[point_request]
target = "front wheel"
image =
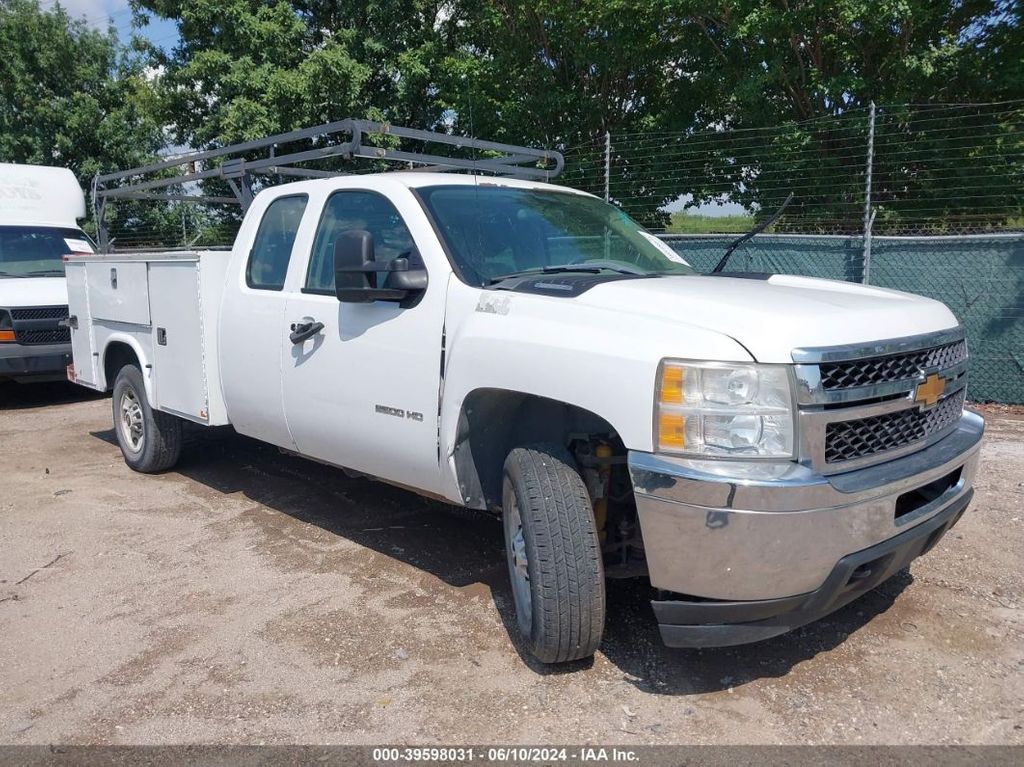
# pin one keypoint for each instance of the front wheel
(149, 440)
(554, 554)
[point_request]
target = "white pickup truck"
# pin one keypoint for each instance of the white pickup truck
(763, 448)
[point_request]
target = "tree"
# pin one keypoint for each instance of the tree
(767, 62)
(561, 75)
(814, 67)
(69, 95)
(72, 96)
(248, 68)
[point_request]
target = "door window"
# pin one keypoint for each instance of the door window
(272, 248)
(353, 210)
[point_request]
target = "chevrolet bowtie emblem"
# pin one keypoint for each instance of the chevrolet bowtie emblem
(929, 390)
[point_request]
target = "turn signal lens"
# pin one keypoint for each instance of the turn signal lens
(671, 431)
(6, 336)
(671, 391)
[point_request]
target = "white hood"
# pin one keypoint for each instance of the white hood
(774, 316)
(33, 291)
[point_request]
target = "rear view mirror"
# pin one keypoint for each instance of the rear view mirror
(358, 278)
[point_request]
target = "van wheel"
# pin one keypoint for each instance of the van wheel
(554, 554)
(150, 440)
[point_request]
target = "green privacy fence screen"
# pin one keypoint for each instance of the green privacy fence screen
(980, 277)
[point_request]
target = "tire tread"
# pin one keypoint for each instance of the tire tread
(163, 430)
(569, 600)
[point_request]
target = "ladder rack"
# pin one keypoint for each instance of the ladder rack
(243, 165)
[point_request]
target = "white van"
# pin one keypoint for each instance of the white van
(39, 211)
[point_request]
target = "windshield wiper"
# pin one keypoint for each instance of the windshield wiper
(584, 268)
(43, 273)
(756, 230)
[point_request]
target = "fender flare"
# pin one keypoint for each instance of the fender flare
(120, 337)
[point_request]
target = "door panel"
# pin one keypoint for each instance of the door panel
(179, 371)
(363, 393)
(253, 330)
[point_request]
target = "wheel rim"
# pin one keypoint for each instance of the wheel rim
(518, 566)
(130, 423)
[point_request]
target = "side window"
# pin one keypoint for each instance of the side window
(345, 211)
(268, 259)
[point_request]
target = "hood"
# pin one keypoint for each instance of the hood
(33, 291)
(771, 317)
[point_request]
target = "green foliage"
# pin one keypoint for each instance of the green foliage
(69, 95)
(247, 68)
(72, 96)
(764, 62)
(815, 67)
(694, 223)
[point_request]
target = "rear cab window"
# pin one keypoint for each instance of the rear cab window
(272, 246)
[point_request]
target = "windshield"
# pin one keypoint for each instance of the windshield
(493, 231)
(38, 251)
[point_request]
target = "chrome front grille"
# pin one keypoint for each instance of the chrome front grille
(892, 367)
(860, 437)
(860, 405)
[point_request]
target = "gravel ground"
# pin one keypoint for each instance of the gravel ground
(249, 597)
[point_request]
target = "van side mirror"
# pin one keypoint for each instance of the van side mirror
(360, 279)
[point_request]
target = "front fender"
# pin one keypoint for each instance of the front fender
(586, 356)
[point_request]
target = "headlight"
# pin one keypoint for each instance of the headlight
(724, 409)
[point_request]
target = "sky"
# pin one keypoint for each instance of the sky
(100, 13)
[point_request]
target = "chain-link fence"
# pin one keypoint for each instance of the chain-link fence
(886, 170)
(980, 277)
(926, 199)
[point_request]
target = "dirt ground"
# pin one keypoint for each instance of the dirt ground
(248, 597)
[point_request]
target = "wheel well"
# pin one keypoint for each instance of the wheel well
(493, 421)
(117, 355)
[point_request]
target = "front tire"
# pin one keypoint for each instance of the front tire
(149, 440)
(554, 554)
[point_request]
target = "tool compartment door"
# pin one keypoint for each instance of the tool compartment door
(179, 373)
(82, 342)
(118, 291)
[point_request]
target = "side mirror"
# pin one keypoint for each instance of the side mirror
(359, 279)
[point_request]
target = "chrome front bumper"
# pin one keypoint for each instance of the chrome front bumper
(755, 531)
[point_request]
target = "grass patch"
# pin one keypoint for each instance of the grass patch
(689, 223)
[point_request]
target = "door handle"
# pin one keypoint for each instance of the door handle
(303, 331)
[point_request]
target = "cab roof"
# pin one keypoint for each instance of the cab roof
(416, 180)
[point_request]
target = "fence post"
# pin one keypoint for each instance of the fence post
(869, 216)
(607, 165)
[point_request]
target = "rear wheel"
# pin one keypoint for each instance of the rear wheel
(149, 440)
(554, 555)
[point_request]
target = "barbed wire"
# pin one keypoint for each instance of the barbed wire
(936, 168)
